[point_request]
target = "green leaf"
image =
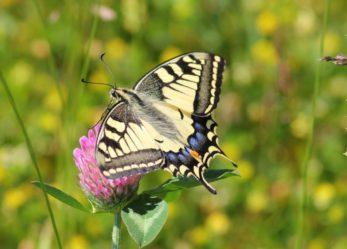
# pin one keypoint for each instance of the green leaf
(179, 183)
(144, 218)
(61, 196)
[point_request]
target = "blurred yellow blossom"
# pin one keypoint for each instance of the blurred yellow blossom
(317, 243)
(52, 100)
(300, 126)
(169, 53)
(336, 213)
(257, 201)
(218, 223)
(99, 75)
(116, 48)
(77, 242)
(246, 169)
(267, 23)
(323, 195)
(199, 235)
(16, 197)
(49, 122)
(332, 43)
(264, 52)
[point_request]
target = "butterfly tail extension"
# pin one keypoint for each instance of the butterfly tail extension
(200, 177)
(194, 158)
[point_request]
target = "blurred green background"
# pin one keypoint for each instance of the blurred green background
(272, 50)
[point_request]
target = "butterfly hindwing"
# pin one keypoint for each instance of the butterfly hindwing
(190, 82)
(124, 147)
(192, 159)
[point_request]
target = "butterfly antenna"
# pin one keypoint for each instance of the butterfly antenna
(102, 58)
(96, 83)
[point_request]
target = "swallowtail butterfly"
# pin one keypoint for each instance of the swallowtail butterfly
(165, 121)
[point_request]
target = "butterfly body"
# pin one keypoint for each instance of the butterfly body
(165, 121)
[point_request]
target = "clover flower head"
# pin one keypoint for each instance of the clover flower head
(103, 193)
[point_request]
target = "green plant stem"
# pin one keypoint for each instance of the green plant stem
(301, 233)
(116, 231)
(32, 156)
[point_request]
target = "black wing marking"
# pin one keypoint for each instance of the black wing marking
(190, 82)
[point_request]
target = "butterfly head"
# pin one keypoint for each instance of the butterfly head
(113, 93)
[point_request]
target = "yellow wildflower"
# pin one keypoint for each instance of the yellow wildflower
(49, 122)
(323, 195)
(267, 23)
(218, 223)
(264, 52)
(199, 235)
(116, 49)
(257, 201)
(77, 242)
(246, 169)
(300, 126)
(15, 198)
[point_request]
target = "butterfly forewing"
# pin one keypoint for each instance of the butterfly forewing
(190, 82)
(124, 146)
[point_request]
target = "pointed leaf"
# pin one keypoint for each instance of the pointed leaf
(179, 183)
(144, 218)
(61, 196)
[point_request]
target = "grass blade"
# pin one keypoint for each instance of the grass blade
(32, 155)
(300, 230)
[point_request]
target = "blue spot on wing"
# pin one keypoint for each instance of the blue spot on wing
(184, 160)
(185, 152)
(193, 142)
(172, 157)
(199, 126)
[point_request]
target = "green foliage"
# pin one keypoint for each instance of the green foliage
(144, 218)
(62, 196)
